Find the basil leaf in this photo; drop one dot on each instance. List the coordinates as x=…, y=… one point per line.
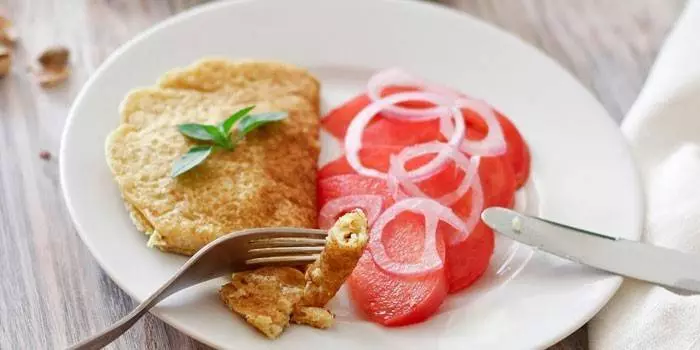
x=227, y=124
x=254, y=121
x=220, y=139
x=195, y=156
x=201, y=132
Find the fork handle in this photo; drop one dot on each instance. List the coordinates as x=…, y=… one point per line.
x=102, y=339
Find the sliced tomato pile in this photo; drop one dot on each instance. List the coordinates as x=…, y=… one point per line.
x=388, y=297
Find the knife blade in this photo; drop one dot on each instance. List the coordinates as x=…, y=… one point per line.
x=677, y=271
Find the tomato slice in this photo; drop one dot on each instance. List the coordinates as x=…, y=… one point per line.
x=340, y=166
x=468, y=260
x=393, y=300
x=517, y=152
x=337, y=120
x=497, y=181
x=352, y=184
x=374, y=158
x=391, y=132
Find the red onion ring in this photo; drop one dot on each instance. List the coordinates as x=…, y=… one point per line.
x=397, y=77
x=493, y=144
x=369, y=203
x=430, y=260
x=398, y=171
x=353, y=138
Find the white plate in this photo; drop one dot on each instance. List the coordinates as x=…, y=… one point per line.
x=582, y=173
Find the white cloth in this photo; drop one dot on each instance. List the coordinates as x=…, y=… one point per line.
x=663, y=128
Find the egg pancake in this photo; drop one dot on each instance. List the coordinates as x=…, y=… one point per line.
x=267, y=180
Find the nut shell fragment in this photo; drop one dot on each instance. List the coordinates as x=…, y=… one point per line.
x=54, y=64
x=8, y=35
x=50, y=78
x=54, y=58
x=5, y=61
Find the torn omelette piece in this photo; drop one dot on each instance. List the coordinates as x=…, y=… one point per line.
x=269, y=297
x=345, y=243
x=265, y=297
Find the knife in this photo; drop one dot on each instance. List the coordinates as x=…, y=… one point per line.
x=675, y=270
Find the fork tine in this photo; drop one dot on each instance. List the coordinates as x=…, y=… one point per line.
x=287, y=260
x=277, y=251
x=286, y=242
x=286, y=232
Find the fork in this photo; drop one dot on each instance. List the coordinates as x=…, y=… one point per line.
x=234, y=252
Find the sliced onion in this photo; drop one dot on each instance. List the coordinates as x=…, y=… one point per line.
x=369, y=203
x=493, y=144
x=430, y=260
x=397, y=77
x=399, y=174
x=353, y=138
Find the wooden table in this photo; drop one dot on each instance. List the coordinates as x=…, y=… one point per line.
x=51, y=290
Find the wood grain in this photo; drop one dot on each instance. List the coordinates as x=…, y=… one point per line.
x=51, y=290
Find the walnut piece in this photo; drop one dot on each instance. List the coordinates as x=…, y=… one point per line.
x=8, y=35
x=55, y=58
x=49, y=78
x=5, y=61
x=54, y=63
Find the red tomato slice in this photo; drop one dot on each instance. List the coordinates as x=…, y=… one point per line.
x=352, y=184
x=339, y=166
x=337, y=120
x=495, y=173
x=374, y=157
x=517, y=151
x=381, y=139
x=393, y=300
x=497, y=181
x=468, y=260
x=391, y=132
x=443, y=182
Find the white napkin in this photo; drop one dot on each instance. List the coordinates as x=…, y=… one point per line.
x=663, y=128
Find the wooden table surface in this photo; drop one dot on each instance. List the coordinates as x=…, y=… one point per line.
x=51, y=290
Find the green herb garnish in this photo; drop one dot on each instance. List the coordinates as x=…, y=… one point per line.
x=220, y=136
x=191, y=159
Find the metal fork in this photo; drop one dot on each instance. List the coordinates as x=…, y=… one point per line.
x=237, y=251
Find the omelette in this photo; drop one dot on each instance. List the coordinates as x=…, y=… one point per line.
x=269, y=179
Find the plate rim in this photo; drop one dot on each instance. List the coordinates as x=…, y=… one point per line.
x=613, y=284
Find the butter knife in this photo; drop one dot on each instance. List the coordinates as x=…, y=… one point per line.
x=677, y=271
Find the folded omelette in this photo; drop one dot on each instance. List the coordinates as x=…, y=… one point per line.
x=269, y=179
